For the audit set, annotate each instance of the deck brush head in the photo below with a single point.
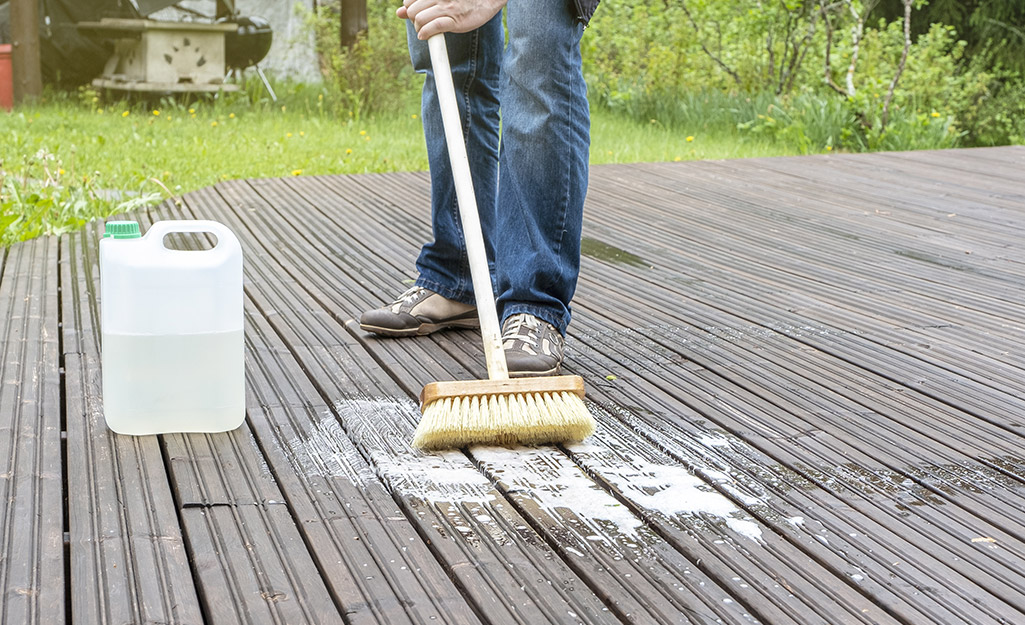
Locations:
(524, 411)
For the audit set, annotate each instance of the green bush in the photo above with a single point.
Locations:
(809, 122)
(704, 64)
(375, 74)
(934, 98)
(1000, 117)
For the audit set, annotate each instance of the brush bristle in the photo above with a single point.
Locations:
(505, 419)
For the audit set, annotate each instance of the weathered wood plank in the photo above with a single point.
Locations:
(476, 517)
(250, 562)
(128, 561)
(709, 557)
(384, 353)
(369, 407)
(993, 610)
(808, 393)
(963, 324)
(876, 496)
(31, 526)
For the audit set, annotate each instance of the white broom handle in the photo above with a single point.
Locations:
(490, 331)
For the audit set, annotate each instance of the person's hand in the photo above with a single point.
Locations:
(431, 17)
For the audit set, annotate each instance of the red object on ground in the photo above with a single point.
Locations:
(6, 78)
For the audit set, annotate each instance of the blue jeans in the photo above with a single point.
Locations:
(530, 184)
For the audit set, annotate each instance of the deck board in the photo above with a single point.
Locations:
(31, 526)
(127, 559)
(480, 568)
(806, 372)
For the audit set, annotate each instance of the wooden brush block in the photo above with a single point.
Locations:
(463, 388)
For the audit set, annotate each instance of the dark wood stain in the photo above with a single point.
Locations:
(807, 374)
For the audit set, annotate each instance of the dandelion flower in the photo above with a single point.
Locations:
(288, 135)
(348, 151)
(232, 115)
(296, 172)
(829, 148)
(362, 132)
(192, 111)
(413, 116)
(156, 112)
(690, 138)
(302, 133)
(125, 114)
(935, 114)
(677, 159)
(213, 123)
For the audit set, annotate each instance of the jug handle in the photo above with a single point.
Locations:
(161, 229)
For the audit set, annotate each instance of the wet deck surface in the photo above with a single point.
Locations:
(807, 374)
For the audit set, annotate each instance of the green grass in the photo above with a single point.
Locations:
(616, 139)
(68, 160)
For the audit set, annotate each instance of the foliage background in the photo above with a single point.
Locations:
(759, 67)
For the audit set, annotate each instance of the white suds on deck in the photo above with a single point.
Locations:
(555, 482)
(559, 486)
(325, 450)
(668, 490)
(671, 490)
(438, 477)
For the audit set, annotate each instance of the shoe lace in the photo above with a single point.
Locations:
(515, 324)
(410, 295)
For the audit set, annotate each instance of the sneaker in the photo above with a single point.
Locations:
(419, 311)
(532, 346)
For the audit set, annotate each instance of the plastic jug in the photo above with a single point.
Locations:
(172, 330)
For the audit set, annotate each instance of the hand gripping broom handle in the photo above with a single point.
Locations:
(470, 218)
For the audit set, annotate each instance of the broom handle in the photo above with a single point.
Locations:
(490, 330)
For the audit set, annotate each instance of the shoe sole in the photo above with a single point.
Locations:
(423, 329)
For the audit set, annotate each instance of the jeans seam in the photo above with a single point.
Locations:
(465, 122)
(567, 182)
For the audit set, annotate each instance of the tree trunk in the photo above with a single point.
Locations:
(26, 68)
(354, 21)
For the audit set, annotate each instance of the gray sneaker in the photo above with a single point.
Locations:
(532, 346)
(419, 311)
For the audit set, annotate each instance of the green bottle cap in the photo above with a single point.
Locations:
(122, 230)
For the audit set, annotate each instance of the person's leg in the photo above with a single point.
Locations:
(476, 59)
(543, 162)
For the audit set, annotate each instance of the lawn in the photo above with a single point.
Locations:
(73, 158)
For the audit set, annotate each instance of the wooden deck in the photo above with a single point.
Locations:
(808, 373)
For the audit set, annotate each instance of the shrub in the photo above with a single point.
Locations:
(375, 74)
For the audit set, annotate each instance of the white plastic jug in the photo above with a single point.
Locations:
(172, 330)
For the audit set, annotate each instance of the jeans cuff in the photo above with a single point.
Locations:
(445, 291)
(560, 321)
